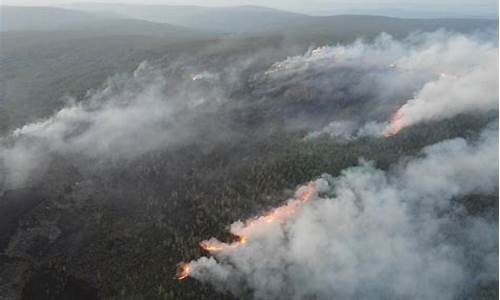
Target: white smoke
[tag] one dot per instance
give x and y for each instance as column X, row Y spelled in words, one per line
column 349, row 130
column 473, row 91
column 150, row 110
column 172, row 103
column 445, row 75
column 205, row 75
column 373, row 234
column 130, row 116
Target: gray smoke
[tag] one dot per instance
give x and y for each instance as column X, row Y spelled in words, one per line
column 442, row 74
column 350, row 130
column 158, row 107
column 131, row 115
column 373, row 234
column 172, row 103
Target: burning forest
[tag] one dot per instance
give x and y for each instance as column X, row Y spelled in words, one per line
column 367, row 221
column 258, row 167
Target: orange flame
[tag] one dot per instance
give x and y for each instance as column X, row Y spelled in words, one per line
column 183, row 271
column 308, row 194
column 396, row 124
column 214, row 245
column 283, row 212
column 211, row 247
column 277, row 215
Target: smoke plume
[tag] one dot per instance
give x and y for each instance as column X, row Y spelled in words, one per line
column 131, row 115
column 175, row 101
column 442, row 74
column 373, row 234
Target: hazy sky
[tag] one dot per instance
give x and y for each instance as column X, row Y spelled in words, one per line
column 440, row 7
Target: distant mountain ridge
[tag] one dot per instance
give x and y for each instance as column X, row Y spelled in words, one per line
column 245, row 19
column 223, row 19
column 164, row 20
column 15, row 18
column 43, row 18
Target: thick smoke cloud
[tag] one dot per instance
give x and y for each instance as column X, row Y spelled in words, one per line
column 178, row 100
column 356, row 87
column 131, row 115
column 442, row 74
column 373, row 234
column 473, row 91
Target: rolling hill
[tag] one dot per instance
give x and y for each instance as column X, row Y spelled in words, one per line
column 91, row 23
column 255, row 19
column 43, row 18
column 223, row 19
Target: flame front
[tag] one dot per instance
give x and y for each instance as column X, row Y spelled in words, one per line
column 244, row 233
column 396, row 124
column 215, row 246
column 183, row 271
column 276, row 215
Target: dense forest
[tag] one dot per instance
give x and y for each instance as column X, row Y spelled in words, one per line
column 120, row 153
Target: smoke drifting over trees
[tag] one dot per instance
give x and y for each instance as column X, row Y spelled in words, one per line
column 438, row 68
column 449, row 74
column 371, row 234
column 404, row 131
